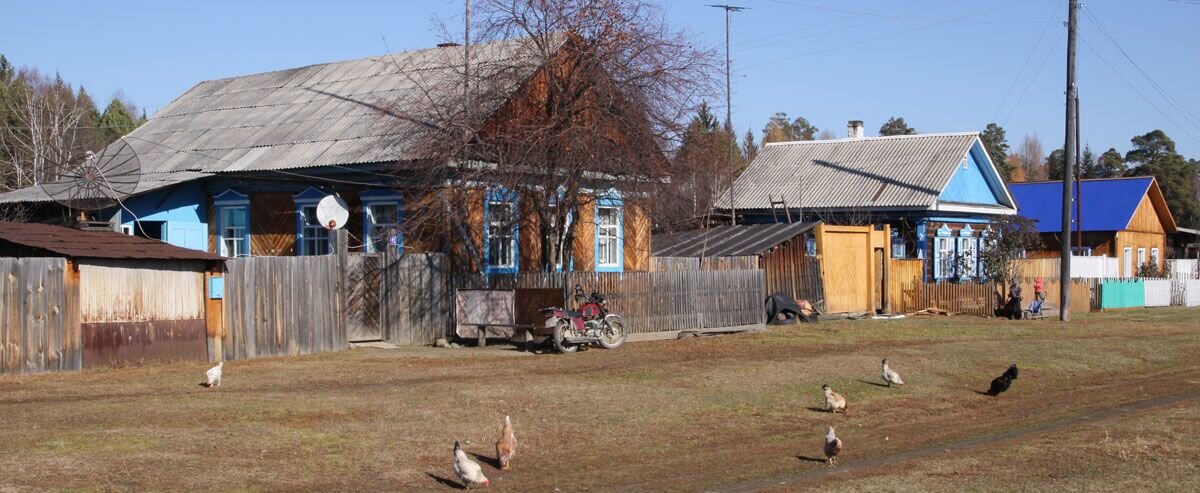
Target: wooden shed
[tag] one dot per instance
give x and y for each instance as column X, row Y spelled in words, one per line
column 120, row 299
column 1123, row 218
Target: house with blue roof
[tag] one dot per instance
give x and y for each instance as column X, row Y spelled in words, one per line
column 1125, row 218
column 936, row 195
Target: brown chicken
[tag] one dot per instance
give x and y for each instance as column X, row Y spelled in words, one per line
column 506, row 446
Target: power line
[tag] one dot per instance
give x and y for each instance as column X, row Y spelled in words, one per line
column 1182, row 110
column 1135, row 90
column 898, row 17
column 1034, row 78
column 877, row 38
column 750, row 45
column 1036, row 44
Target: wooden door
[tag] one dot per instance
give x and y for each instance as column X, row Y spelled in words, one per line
column 848, row 283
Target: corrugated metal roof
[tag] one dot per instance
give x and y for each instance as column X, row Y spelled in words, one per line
column 899, row 172
column 1108, row 204
column 357, row 111
column 727, row 241
column 94, row 244
column 148, row 182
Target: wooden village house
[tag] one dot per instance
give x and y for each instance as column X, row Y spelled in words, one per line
column 1123, row 218
column 935, row 195
column 236, row 166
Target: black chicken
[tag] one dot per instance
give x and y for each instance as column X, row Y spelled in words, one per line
column 1002, row 382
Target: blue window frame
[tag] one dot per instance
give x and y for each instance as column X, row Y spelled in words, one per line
column 383, row 213
column 312, row 237
column 968, row 255
column 943, row 254
column 899, row 249
column 233, row 224
column 500, row 231
column 609, row 238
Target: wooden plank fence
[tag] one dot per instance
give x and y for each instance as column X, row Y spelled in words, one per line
column 653, row 301
column 980, row 298
column 278, row 306
column 39, row 316
column 417, row 302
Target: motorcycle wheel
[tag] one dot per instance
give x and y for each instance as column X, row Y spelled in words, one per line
column 614, row 334
column 561, row 331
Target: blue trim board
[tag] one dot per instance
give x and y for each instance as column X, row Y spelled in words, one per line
column 612, row 200
column 502, row 194
column 374, row 197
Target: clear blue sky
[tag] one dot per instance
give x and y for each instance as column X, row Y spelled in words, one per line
column 944, row 65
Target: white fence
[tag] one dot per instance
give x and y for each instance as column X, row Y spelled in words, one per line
column 1093, row 267
column 1158, row 292
column 1184, row 268
column 1185, row 292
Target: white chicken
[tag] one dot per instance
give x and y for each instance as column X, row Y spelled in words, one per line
column 214, row 376
column 890, row 376
column 467, row 470
column 506, row 446
column 833, row 400
column 833, row 445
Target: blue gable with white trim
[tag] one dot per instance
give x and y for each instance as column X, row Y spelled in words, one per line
column 974, row 183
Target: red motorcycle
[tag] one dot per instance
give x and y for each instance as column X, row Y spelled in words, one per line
column 591, row 324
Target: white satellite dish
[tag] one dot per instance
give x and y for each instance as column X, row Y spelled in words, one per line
column 333, row 212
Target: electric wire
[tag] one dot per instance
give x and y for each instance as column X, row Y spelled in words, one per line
column 1032, row 51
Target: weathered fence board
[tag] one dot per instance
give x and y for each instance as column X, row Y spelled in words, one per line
column 276, row 306
column 1081, row 267
column 653, row 301
column 38, row 324
column 417, row 305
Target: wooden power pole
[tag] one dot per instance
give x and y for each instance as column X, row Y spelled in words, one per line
column 1064, row 297
column 729, row 9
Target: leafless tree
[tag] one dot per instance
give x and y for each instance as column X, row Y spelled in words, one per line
column 1029, row 157
column 583, row 100
column 45, row 129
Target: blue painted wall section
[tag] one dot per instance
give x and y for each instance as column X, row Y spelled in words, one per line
column 973, row 183
column 177, row 214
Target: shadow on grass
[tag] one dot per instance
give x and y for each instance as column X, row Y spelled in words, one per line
column 447, row 482
column 810, row 459
column 816, row 409
column 983, row 393
column 877, row 384
column 491, row 461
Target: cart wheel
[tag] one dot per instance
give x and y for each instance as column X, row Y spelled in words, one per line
column 560, row 333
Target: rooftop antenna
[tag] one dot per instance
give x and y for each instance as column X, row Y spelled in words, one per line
column 729, row 112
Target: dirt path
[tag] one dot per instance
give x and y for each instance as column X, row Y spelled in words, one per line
column 806, row 478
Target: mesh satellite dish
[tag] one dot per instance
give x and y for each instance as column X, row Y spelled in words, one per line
column 90, row 181
column 333, row 212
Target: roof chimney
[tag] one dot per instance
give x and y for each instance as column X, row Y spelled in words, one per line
column 854, row 129
column 447, row 45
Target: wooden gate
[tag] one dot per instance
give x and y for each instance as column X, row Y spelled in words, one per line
column 365, row 289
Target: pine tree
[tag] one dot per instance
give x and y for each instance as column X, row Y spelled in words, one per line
column 997, row 148
column 1110, row 164
column 1153, row 154
column 896, row 126
column 116, row 121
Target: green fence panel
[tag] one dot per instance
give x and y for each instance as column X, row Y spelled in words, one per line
column 1122, row 294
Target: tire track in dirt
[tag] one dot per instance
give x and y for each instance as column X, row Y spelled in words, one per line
column 867, row 465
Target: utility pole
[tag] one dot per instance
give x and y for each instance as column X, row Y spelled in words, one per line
column 467, row 56
column 729, row 112
column 1064, row 296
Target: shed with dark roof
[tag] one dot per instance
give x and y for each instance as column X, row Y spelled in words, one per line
column 126, row 299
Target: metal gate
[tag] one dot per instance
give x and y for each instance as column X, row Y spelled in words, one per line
column 365, row 293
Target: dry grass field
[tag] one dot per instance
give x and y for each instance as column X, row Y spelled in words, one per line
column 1110, row 402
